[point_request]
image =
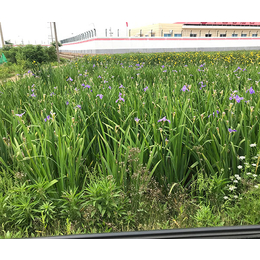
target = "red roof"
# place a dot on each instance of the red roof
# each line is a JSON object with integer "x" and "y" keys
{"x": 221, "y": 23}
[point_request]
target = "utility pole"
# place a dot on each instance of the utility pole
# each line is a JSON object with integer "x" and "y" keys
{"x": 2, "y": 37}
{"x": 56, "y": 39}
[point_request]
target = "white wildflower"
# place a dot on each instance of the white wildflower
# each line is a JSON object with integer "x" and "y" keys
{"x": 252, "y": 145}
{"x": 248, "y": 173}
{"x": 235, "y": 181}
{"x": 254, "y": 175}
{"x": 238, "y": 177}
{"x": 242, "y": 157}
{"x": 254, "y": 164}
{"x": 239, "y": 166}
{"x": 225, "y": 198}
{"x": 231, "y": 187}
{"x": 235, "y": 196}
{"x": 256, "y": 186}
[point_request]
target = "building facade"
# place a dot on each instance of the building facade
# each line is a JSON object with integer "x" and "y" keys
{"x": 198, "y": 29}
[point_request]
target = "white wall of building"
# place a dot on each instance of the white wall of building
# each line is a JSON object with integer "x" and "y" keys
{"x": 134, "y": 44}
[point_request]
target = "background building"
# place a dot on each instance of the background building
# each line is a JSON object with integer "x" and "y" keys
{"x": 198, "y": 29}
{"x": 165, "y": 37}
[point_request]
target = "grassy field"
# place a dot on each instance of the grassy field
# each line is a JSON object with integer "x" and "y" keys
{"x": 131, "y": 142}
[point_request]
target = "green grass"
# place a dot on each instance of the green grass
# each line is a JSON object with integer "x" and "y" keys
{"x": 70, "y": 137}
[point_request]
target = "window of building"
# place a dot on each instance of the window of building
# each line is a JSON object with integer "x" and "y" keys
{"x": 167, "y": 35}
{"x": 177, "y": 35}
{"x": 254, "y": 35}
{"x": 208, "y": 35}
{"x": 243, "y": 35}
{"x": 223, "y": 35}
{"x": 234, "y": 35}
{"x": 193, "y": 35}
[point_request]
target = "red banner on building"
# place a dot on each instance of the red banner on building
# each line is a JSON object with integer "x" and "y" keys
{"x": 126, "y": 24}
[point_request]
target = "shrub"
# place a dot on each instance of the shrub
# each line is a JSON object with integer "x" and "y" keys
{"x": 30, "y": 53}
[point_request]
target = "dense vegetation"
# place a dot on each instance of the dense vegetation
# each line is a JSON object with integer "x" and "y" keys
{"x": 131, "y": 142}
{"x": 22, "y": 58}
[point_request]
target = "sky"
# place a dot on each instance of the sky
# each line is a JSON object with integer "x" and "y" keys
{"x": 29, "y": 22}
{"x": 40, "y": 32}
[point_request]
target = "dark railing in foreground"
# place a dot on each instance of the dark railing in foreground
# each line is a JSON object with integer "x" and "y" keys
{"x": 235, "y": 232}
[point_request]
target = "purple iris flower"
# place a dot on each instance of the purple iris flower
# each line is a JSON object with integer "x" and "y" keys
{"x": 216, "y": 112}
{"x": 67, "y": 102}
{"x": 100, "y": 96}
{"x": 20, "y": 115}
{"x": 99, "y": 77}
{"x": 145, "y": 89}
{"x": 251, "y": 91}
{"x": 121, "y": 86}
{"x": 238, "y": 99}
{"x": 48, "y": 118}
{"x": 230, "y": 130}
{"x": 69, "y": 79}
{"x": 33, "y": 95}
{"x": 137, "y": 119}
{"x": 184, "y": 88}
{"x": 109, "y": 87}
{"x": 87, "y": 86}
{"x": 137, "y": 65}
{"x": 237, "y": 69}
{"x": 121, "y": 99}
{"x": 162, "y": 66}
{"x": 83, "y": 85}
{"x": 164, "y": 119}
{"x": 94, "y": 65}
{"x": 52, "y": 94}
{"x": 165, "y": 71}
{"x": 78, "y": 106}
